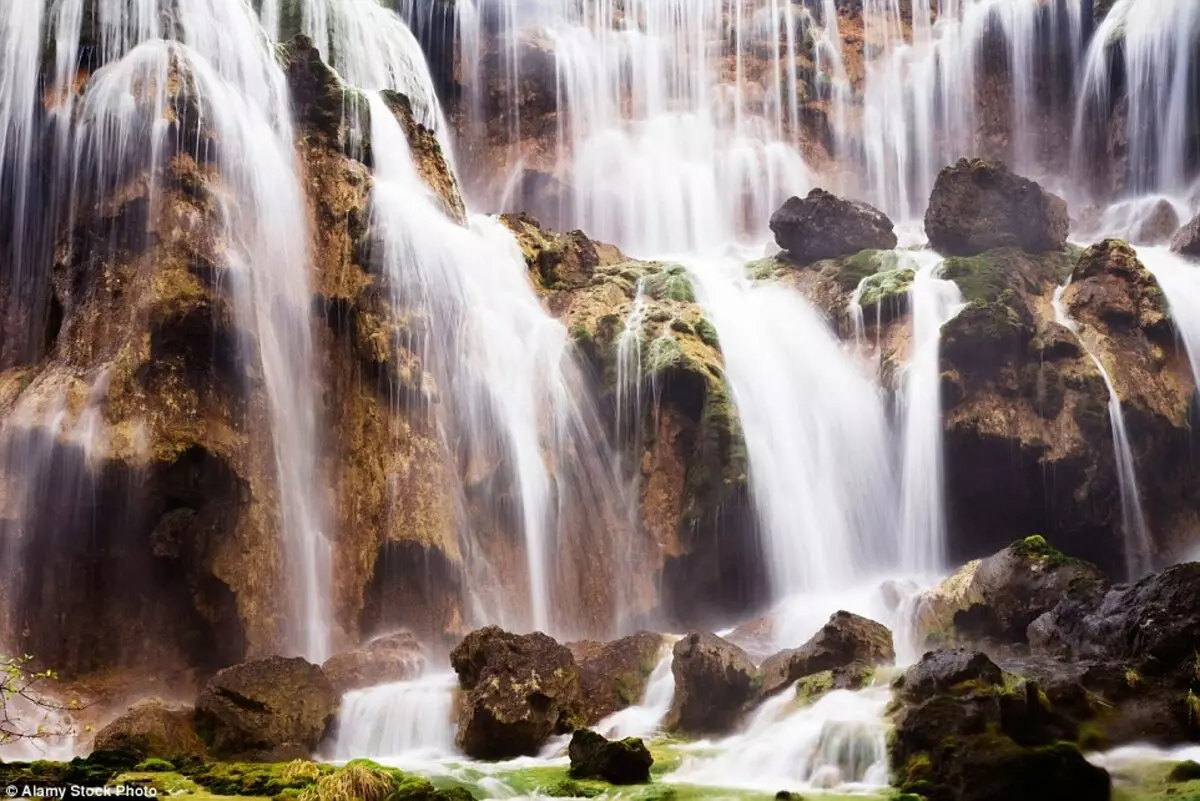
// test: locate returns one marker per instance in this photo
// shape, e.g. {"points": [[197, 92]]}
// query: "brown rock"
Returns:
{"points": [[1187, 239], [1158, 226], [978, 205], [847, 639], [517, 690], [270, 706], [825, 226], [715, 682], [613, 676], [393, 657], [153, 729]]}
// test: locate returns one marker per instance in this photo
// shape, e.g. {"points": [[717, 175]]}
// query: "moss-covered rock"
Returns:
{"points": [[624, 761], [846, 643], [153, 729], [613, 675]]}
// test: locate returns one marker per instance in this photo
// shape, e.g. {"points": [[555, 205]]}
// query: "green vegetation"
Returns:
{"points": [[889, 285], [1037, 549], [22, 688]]}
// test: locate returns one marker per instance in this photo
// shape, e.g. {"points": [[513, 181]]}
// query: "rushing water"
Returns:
{"points": [[413, 719], [933, 301], [820, 470], [512, 387], [838, 742]]}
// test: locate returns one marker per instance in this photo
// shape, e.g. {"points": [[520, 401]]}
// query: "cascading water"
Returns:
{"points": [[411, 720], [645, 718], [1133, 521], [934, 302], [122, 128], [820, 471], [1155, 52], [838, 742], [504, 364]]}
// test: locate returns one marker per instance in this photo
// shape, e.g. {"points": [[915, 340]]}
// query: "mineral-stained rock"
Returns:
{"points": [[268, 709], [1158, 226], [715, 682], [845, 641], [624, 761], [516, 691], [153, 729], [1111, 287], [825, 226], [998, 597], [966, 731], [1186, 240], [978, 205], [390, 658], [613, 676]]}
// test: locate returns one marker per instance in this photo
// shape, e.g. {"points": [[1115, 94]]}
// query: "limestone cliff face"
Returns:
{"points": [[139, 479], [659, 379]]}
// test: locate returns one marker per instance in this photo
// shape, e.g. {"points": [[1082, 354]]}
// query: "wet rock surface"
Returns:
{"points": [[715, 683], [825, 226], [152, 729], [845, 645], [613, 676], [624, 761], [267, 710], [516, 691], [386, 659], [978, 205]]}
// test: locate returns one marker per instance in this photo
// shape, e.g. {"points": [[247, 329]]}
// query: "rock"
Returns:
{"points": [[265, 708], [966, 731], [978, 205], [152, 729], [1158, 226], [715, 682], [1186, 240], [1110, 288], [846, 640], [393, 657], [1000, 596], [624, 761], [613, 676], [517, 690], [1186, 771], [825, 226]]}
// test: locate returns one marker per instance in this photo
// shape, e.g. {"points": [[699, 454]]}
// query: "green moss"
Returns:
{"points": [[850, 271], [663, 354], [811, 688], [707, 333], [886, 285], [1037, 549], [766, 269], [269, 779], [670, 283], [681, 327], [154, 765]]}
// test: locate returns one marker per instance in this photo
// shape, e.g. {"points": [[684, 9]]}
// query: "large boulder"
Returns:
{"points": [[613, 675], [269, 709], [978, 205], [393, 657], [967, 731], [1133, 647], [1158, 226], [1111, 289], [152, 729], [846, 641], [624, 761], [517, 690], [1186, 240], [996, 598], [825, 226], [715, 682]]}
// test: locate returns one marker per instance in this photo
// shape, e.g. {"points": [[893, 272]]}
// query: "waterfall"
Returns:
{"points": [[1157, 58], [645, 718], [934, 302], [411, 720], [815, 429], [1133, 521], [514, 398], [836, 743]]}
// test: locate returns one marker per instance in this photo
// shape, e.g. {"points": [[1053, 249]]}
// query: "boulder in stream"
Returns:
{"points": [[978, 205], [1186, 240], [624, 761], [715, 683], [152, 729], [386, 659], [613, 675], [846, 644], [272, 709], [516, 691], [825, 226]]}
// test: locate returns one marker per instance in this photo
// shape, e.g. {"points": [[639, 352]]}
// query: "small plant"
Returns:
{"points": [[26, 713]]}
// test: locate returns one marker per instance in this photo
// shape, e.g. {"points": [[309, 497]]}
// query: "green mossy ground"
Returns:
{"points": [[1157, 781]]}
